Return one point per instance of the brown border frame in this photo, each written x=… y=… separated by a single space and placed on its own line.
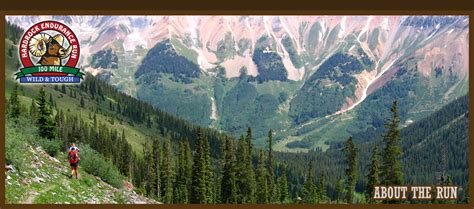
x=213 y=7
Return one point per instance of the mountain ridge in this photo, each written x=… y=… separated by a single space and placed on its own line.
x=278 y=55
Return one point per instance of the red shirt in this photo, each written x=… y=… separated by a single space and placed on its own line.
x=73 y=156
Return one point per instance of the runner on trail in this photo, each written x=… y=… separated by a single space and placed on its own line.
x=73 y=161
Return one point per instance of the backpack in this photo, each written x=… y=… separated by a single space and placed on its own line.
x=73 y=157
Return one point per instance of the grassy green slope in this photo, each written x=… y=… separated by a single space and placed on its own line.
x=137 y=133
x=38 y=178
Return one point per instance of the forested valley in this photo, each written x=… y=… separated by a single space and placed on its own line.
x=184 y=163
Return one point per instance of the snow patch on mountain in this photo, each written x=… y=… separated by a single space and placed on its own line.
x=133 y=40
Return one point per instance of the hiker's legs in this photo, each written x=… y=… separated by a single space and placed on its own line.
x=75 y=171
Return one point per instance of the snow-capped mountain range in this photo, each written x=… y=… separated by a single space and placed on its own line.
x=382 y=45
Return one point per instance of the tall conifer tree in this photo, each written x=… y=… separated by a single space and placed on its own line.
x=150 y=175
x=309 y=195
x=339 y=190
x=391 y=169
x=200 y=189
x=183 y=180
x=229 y=189
x=155 y=160
x=262 y=178
x=167 y=171
x=246 y=175
x=283 y=185
x=322 y=188
x=351 y=170
x=14 y=109
x=373 y=175
x=272 y=189
x=45 y=121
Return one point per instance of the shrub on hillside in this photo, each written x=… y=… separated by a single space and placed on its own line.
x=94 y=163
x=51 y=146
x=18 y=132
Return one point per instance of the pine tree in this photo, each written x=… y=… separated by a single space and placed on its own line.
x=124 y=164
x=183 y=180
x=276 y=199
x=262 y=191
x=339 y=190
x=14 y=102
x=351 y=170
x=241 y=150
x=322 y=188
x=216 y=188
x=200 y=191
x=309 y=188
x=248 y=141
x=246 y=175
x=155 y=162
x=63 y=89
x=391 y=170
x=271 y=166
x=283 y=186
x=167 y=171
x=60 y=124
x=45 y=121
x=209 y=174
x=189 y=164
x=51 y=100
x=150 y=174
x=33 y=111
x=373 y=175
x=229 y=190
x=111 y=105
x=83 y=103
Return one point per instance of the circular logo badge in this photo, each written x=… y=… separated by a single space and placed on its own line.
x=49 y=50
